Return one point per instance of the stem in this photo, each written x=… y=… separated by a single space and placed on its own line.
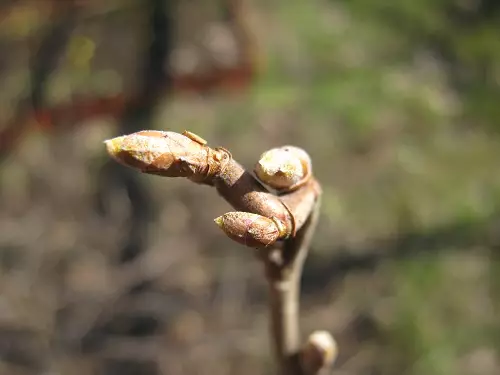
x=284 y=292
x=284 y=296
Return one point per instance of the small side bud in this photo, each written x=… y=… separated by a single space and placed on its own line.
x=284 y=169
x=319 y=352
x=251 y=229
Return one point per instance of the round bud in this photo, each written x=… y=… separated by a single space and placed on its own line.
x=284 y=169
x=320 y=351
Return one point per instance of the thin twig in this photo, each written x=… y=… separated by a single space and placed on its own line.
x=284 y=286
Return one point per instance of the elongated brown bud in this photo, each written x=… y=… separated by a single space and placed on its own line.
x=285 y=168
x=168 y=154
x=319 y=352
x=251 y=229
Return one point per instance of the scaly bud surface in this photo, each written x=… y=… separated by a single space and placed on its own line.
x=251 y=229
x=168 y=154
x=284 y=169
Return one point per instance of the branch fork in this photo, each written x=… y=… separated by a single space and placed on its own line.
x=280 y=226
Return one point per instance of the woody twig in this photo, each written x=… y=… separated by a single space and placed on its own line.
x=279 y=225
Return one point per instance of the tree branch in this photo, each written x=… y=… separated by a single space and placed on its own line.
x=261 y=220
x=284 y=277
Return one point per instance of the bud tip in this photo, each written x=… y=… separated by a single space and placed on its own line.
x=113 y=146
x=219 y=221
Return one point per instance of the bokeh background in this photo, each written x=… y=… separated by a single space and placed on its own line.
x=106 y=271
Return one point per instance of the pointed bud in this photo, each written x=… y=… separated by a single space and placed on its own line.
x=138 y=150
x=319 y=352
x=285 y=168
x=251 y=229
x=167 y=154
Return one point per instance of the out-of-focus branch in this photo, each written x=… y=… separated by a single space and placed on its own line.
x=33 y=111
x=156 y=79
x=43 y=62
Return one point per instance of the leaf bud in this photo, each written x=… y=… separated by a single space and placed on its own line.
x=284 y=169
x=319 y=352
x=251 y=229
x=168 y=154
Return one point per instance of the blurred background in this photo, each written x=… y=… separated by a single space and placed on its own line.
x=106 y=271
